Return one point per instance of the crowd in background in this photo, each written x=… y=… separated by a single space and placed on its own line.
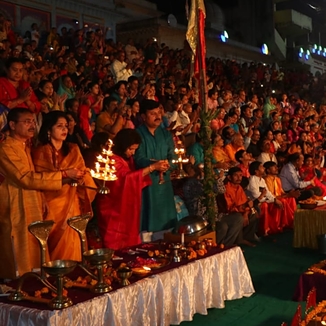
x=268 y=120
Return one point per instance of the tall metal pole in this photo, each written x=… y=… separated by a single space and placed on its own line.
x=201 y=65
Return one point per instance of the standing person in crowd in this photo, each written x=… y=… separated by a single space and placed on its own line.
x=55 y=154
x=121 y=70
x=14 y=91
x=20 y=200
x=158 y=210
x=119 y=212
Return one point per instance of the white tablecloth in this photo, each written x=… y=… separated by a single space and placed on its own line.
x=163 y=299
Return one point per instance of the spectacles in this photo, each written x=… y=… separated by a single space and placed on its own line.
x=27 y=122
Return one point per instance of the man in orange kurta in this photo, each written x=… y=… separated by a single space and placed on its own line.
x=236 y=144
x=237 y=201
x=274 y=185
x=20 y=200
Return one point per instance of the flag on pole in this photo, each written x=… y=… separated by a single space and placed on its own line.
x=196 y=35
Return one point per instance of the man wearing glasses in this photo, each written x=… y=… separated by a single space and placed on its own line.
x=21 y=200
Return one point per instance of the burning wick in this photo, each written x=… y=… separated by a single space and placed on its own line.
x=147 y=268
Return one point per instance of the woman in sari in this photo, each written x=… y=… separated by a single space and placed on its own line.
x=66 y=87
x=53 y=101
x=85 y=116
x=308 y=172
x=55 y=154
x=95 y=98
x=219 y=153
x=119 y=212
x=14 y=91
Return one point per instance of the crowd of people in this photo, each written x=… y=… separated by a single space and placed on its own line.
x=64 y=95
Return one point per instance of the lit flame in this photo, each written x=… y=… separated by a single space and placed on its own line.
x=147 y=268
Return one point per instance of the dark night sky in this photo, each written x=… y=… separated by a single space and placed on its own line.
x=178 y=6
x=170 y=6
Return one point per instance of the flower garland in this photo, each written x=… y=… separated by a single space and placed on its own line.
x=209 y=180
x=313 y=313
x=319 y=267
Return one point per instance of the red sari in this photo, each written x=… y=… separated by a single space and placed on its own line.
x=308 y=174
x=97 y=109
x=119 y=212
x=83 y=111
x=9 y=93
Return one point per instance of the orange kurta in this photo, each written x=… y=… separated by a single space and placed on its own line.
x=20 y=205
x=63 y=204
x=235 y=197
x=220 y=155
x=230 y=151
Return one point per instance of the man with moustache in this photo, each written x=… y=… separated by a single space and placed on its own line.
x=20 y=200
x=110 y=119
x=158 y=208
x=237 y=202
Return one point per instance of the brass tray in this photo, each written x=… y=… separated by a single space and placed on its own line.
x=152 y=263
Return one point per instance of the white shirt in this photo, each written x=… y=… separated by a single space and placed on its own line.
x=253 y=189
x=119 y=71
x=265 y=157
x=35 y=36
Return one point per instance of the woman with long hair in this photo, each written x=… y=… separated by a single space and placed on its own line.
x=85 y=115
x=54 y=101
x=135 y=115
x=219 y=152
x=119 y=212
x=75 y=134
x=293 y=132
x=309 y=171
x=55 y=154
x=95 y=98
